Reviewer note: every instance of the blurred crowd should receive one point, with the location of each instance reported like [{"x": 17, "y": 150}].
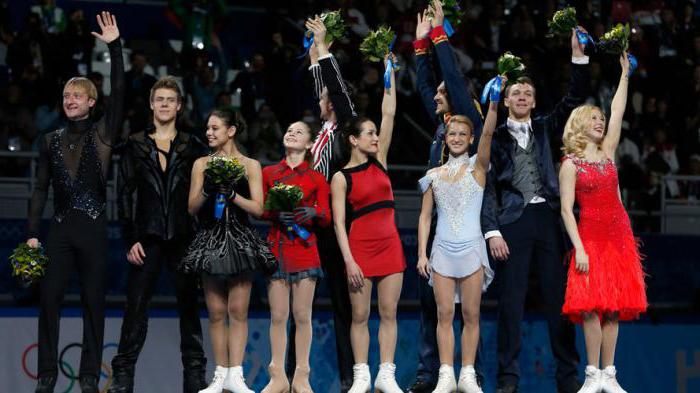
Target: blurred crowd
[{"x": 224, "y": 59}]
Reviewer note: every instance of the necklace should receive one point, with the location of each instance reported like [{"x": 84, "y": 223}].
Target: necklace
[
  {"x": 72, "y": 144},
  {"x": 454, "y": 163}
]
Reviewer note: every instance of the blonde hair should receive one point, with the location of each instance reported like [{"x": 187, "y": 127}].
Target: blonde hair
[
  {"x": 83, "y": 83},
  {"x": 574, "y": 139},
  {"x": 462, "y": 120}
]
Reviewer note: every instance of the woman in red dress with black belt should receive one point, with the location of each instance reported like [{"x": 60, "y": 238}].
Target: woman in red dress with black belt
[
  {"x": 372, "y": 250},
  {"x": 300, "y": 265}
]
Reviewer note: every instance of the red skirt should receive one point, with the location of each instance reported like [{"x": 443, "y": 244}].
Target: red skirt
[
  {"x": 614, "y": 282},
  {"x": 375, "y": 244}
]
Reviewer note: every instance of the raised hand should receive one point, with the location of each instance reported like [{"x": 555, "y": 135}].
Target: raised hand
[
  {"x": 108, "y": 25},
  {"x": 423, "y": 25},
  {"x": 577, "y": 48},
  {"x": 625, "y": 63},
  {"x": 438, "y": 14},
  {"x": 317, "y": 27}
]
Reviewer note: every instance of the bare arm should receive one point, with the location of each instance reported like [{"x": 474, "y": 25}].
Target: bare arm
[
  {"x": 426, "y": 214},
  {"x": 483, "y": 154},
  {"x": 617, "y": 110},
  {"x": 386, "y": 129},
  {"x": 567, "y": 188},
  {"x": 196, "y": 198},
  {"x": 254, "y": 205},
  {"x": 338, "y": 193}
]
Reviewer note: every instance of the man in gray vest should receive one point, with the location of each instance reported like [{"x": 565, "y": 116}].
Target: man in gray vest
[{"x": 520, "y": 220}]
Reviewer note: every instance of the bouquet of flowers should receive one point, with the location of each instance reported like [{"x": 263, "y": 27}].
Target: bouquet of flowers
[
  {"x": 335, "y": 27},
  {"x": 223, "y": 170},
  {"x": 616, "y": 40},
  {"x": 511, "y": 66},
  {"x": 28, "y": 263},
  {"x": 453, "y": 15},
  {"x": 285, "y": 198},
  {"x": 377, "y": 44},
  {"x": 563, "y": 21}
]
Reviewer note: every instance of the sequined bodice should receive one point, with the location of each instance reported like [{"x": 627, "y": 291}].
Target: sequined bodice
[
  {"x": 83, "y": 187},
  {"x": 458, "y": 198},
  {"x": 601, "y": 211}
]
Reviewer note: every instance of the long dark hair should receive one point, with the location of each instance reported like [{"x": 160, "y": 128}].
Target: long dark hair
[
  {"x": 352, "y": 127},
  {"x": 231, "y": 118}
]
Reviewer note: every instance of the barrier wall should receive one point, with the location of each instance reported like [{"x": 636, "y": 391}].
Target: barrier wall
[{"x": 651, "y": 358}]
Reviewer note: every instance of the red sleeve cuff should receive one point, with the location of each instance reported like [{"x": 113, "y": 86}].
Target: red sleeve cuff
[
  {"x": 422, "y": 46},
  {"x": 438, "y": 35}
]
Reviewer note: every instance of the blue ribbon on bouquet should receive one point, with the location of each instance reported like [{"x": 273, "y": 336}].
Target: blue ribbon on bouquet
[
  {"x": 447, "y": 26},
  {"x": 299, "y": 230},
  {"x": 633, "y": 64},
  {"x": 584, "y": 38},
  {"x": 492, "y": 90},
  {"x": 219, "y": 206},
  {"x": 308, "y": 41},
  {"x": 389, "y": 65}
]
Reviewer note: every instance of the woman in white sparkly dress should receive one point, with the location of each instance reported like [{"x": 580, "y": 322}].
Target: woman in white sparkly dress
[{"x": 458, "y": 267}]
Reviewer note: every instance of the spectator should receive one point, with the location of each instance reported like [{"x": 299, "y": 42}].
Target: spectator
[
  {"x": 138, "y": 90},
  {"x": 52, "y": 17}
]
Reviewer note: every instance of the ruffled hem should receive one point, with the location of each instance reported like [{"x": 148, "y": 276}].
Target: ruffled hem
[
  {"x": 292, "y": 277},
  {"x": 229, "y": 249},
  {"x": 614, "y": 283}
]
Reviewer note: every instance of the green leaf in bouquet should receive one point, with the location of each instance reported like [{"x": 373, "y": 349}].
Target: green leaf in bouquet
[
  {"x": 28, "y": 263},
  {"x": 616, "y": 40},
  {"x": 377, "y": 44},
  {"x": 335, "y": 25},
  {"x": 283, "y": 197},
  {"x": 511, "y": 66},
  {"x": 562, "y": 22},
  {"x": 224, "y": 170},
  {"x": 453, "y": 12}
]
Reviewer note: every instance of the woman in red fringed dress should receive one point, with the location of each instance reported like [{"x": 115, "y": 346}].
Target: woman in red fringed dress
[{"x": 606, "y": 282}]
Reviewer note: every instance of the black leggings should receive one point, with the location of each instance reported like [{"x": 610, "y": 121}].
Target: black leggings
[{"x": 78, "y": 242}]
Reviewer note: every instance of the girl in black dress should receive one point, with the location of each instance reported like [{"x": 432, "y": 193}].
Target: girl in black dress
[{"x": 227, "y": 252}]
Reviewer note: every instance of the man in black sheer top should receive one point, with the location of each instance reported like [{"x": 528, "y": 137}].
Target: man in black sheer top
[{"x": 75, "y": 161}]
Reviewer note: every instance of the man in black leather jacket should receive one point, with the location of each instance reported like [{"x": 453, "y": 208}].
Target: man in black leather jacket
[{"x": 154, "y": 187}]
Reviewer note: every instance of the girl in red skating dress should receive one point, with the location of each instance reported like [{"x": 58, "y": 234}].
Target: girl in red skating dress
[
  {"x": 372, "y": 249},
  {"x": 606, "y": 282}
]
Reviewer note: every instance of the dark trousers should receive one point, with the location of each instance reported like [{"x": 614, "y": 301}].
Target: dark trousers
[
  {"x": 76, "y": 243},
  {"x": 428, "y": 355},
  {"x": 535, "y": 238},
  {"x": 336, "y": 281},
  {"x": 141, "y": 283}
]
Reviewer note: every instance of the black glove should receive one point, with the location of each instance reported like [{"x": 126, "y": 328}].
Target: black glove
[
  {"x": 304, "y": 214},
  {"x": 226, "y": 190},
  {"x": 286, "y": 218},
  {"x": 209, "y": 187}
]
